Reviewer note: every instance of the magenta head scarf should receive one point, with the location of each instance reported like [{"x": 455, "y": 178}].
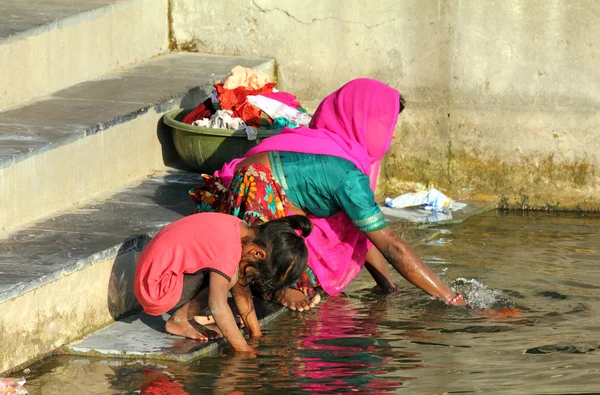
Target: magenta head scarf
[
  {"x": 356, "y": 123},
  {"x": 360, "y": 117}
]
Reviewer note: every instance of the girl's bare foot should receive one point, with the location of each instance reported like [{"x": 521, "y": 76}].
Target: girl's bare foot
[
  {"x": 191, "y": 329},
  {"x": 296, "y": 300}
]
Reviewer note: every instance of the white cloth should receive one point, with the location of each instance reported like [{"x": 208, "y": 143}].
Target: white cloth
[
  {"x": 276, "y": 109},
  {"x": 430, "y": 200},
  {"x": 222, "y": 119}
]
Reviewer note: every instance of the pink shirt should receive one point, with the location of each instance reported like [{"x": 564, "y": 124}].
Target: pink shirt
[{"x": 204, "y": 241}]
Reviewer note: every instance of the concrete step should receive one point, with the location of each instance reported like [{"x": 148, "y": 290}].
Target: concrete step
[
  {"x": 142, "y": 336},
  {"x": 49, "y": 45},
  {"x": 70, "y": 275},
  {"x": 98, "y": 134}
]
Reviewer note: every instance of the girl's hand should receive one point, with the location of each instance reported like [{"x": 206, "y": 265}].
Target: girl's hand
[
  {"x": 254, "y": 340},
  {"x": 247, "y": 352},
  {"x": 209, "y": 334}
]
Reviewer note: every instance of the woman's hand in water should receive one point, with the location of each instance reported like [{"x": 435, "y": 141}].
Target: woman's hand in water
[
  {"x": 458, "y": 300},
  {"x": 255, "y": 341},
  {"x": 406, "y": 262}
]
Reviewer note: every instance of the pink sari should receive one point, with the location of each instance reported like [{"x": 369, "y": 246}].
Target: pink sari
[{"x": 355, "y": 123}]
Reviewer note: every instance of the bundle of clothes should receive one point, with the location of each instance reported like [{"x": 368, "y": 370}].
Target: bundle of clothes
[{"x": 246, "y": 100}]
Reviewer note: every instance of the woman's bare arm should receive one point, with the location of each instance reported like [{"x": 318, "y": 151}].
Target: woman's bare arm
[
  {"x": 378, "y": 268},
  {"x": 406, "y": 262}
]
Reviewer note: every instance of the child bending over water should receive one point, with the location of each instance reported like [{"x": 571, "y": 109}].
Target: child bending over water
[{"x": 232, "y": 254}]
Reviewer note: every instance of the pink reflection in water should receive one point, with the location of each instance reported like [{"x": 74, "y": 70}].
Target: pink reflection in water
[
  {"x": 155, "y": 382},
  {"x": 340, "y": 351}
]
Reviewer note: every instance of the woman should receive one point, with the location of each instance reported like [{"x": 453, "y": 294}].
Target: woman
[{"x": 327, "y": 171}]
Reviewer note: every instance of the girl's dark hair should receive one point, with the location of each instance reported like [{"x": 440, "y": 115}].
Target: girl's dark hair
[
  {"x": 286, "y": 253},
  {"x": 402, "y": 104}
]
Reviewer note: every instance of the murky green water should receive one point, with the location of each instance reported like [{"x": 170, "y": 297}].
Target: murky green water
[{"x": 365, "y": 342}]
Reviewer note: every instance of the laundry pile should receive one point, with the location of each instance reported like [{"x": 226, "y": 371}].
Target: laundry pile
[{"x": 246, "y": 100}]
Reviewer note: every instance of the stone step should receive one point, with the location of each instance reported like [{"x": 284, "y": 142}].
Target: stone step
[
  {"x": 67, "y": 276},
  {"x": 49, "y": 45},
  {"x": 98, "y": 134},
  {"x": 142, "y": 336}
]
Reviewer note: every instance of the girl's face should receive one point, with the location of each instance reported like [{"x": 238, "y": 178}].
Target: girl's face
[{"x": 251, "y": 253}]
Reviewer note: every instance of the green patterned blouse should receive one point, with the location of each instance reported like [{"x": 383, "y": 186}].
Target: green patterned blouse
[{"x": 323, "y": 185}]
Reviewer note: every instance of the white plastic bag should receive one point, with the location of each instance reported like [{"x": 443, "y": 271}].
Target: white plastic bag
[
  {"x": 275, "y": 109},
  {"x": 430, "y": 200}
]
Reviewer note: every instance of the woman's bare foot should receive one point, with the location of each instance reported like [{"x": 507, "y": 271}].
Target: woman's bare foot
[
  {"x": 192, "y": 330},
  {"x": 296, "y": 300}
]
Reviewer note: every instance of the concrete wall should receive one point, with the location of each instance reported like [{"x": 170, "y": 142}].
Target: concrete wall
[{"x": 503, "y": 96}]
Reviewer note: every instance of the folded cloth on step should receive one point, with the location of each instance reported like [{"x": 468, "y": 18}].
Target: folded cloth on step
[
  {"x": 276, "y": 109},
  {"x": 431, "y": 200},
  {"x": 222, "y": 119},
  {"x": 246, "y": 78},
  {"x": 236, "y": 101},
  {"x": 204, "y": 110}
]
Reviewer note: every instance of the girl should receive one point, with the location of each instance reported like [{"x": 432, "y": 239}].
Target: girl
[{"x": 232, "y": 255}]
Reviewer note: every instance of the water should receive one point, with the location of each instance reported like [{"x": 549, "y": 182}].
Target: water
[{"x": 366, "y": 342}]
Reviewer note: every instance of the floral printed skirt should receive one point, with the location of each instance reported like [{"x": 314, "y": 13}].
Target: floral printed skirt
[{"x": 253, "y": 196}]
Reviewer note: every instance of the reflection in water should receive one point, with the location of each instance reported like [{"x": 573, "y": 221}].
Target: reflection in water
[
  {"x": 155, "y": 382},
  {"x": 367, "y": 342},
  {"x": 340, "y": 351}
]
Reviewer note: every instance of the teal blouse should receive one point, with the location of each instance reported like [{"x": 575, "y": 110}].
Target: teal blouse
[{"x": 323, "y": 185}]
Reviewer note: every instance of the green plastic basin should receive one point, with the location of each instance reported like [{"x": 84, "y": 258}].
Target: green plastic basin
[{"x": 206, "y": 149}]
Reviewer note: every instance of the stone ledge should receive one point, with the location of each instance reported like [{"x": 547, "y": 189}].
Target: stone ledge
[
  {"x": 96, "y": 105},
  {"x": 98, "y": 134},
  {"x": 25, "y": 20},
  {"x": 50, "y": 45}
]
